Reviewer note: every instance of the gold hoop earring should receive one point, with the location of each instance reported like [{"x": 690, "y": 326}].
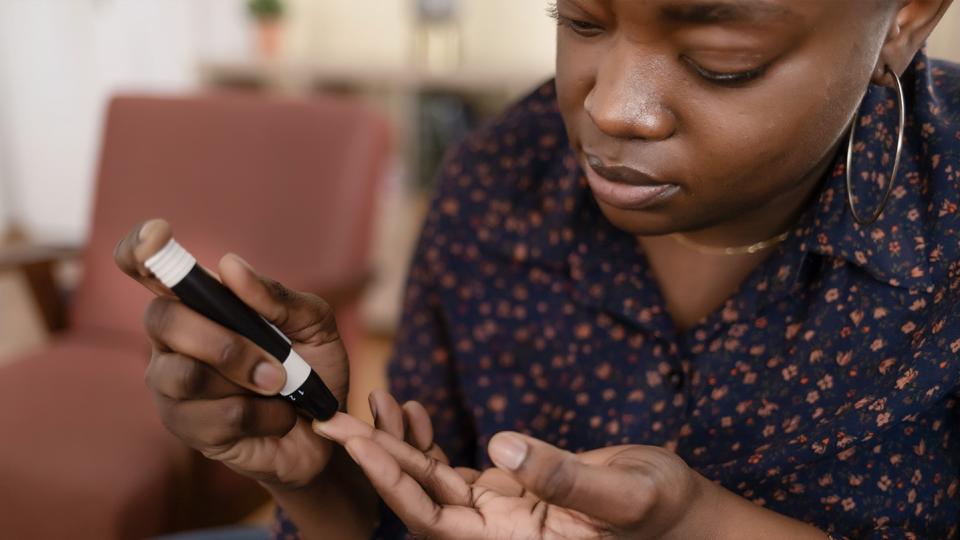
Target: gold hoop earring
[{"x": 901, "y": 103}]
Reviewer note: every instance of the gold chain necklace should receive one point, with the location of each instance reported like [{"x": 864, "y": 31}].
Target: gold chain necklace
[{"x": 738, "y": 250}]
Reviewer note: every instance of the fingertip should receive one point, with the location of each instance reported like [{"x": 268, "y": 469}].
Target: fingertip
[
  {"x": 151, "y": 237},
  {"x": 419, "y": 425},
  {"x": 237, "y": 259},
  {"x": 508, "y": 450},
  {"x": 339, "y": 427},
  {"x": 269, "y": 377},
  {"x": 317, "y": 426},
  {"x": 153, "y": 228},
  {"x": 233, "y": 267}
]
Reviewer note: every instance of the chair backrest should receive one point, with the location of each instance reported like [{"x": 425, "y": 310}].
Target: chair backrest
[{"x": 288, "y": 184}]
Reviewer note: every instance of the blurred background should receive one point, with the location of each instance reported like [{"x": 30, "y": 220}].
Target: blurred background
[{"x": 76, "y": 161}]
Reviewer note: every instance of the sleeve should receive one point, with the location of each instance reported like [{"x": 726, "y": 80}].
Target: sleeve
[
  {"x": 423, "y": 368},
  {"x": 282, "y": 528}
]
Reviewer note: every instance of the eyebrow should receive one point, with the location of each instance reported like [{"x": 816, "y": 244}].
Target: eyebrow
[{"x": 720, "y": 12}]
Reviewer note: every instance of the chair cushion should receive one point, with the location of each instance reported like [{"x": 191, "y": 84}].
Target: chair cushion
[{"x": 107, "y": 469}]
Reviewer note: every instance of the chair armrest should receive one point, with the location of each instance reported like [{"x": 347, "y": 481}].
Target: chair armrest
[
  {"x": 37, "y": 263},
  {"x": 18, "y": 256}
]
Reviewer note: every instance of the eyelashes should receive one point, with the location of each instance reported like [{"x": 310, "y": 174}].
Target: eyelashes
[
  {"x": 718, "y": 78},
  {"x": 737, "y": 78},
  {"x": 552, "y": 11}
]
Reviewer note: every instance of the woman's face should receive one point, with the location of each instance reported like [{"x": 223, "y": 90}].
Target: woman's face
[{"x": 689, "y": 115}]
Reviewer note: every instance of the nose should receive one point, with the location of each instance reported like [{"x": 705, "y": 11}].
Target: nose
[{"x": 627, "y": 100}]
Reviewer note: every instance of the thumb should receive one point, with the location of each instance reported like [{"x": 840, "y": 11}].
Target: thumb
[
  {"x": 305, "y": 318},
  {"x": 615, "y": 495}
]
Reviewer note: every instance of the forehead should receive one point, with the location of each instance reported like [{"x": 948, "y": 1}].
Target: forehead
[
  {"x": 721, "y": 11},
  {"x": 718, "y": 11}
]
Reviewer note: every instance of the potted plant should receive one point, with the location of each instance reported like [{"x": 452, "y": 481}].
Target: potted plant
[{"x": 268, "y": 14}]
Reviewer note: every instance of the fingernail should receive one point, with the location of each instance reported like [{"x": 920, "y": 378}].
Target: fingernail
[
  {"x": 328, "y": 429},
  {"x": 508, "y": 451},
  {"x": 146, "y": 228},
  {"x": 242, "y": 261},
  {"x": 268, "y": 377},
  {"x": 320, "y": 427}
]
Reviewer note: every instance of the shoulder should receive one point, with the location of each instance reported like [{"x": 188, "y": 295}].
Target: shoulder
[
  {"x": 928, "y": 192},
  {"x": 945, "y": 85}
]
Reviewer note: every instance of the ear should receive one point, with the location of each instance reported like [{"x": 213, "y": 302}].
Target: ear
[{"x": 908, "y": 31}]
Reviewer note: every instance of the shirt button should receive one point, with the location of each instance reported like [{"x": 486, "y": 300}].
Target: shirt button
[{"x": 676, "y": 378}]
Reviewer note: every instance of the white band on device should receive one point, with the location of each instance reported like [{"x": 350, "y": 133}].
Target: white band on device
[
  {"x": 297, "y": 372},
  {"x": 171, "y": 264}
]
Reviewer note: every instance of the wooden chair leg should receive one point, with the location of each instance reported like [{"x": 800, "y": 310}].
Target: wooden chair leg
[{"x": 46, "y": 293}]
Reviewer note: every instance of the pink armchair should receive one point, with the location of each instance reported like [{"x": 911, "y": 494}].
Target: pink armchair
[{"x": 290, "y": 185}]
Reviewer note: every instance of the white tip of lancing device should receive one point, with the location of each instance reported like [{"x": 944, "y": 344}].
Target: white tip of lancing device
[{"x": 171, "y": 264}]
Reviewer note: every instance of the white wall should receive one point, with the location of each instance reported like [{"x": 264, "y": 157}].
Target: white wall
[
  {"x": 61, "y": 59},
  {"x": 945, "y": 41},
  {"x": 497, "y": 35},
  {"x": 59, "y": 62}
]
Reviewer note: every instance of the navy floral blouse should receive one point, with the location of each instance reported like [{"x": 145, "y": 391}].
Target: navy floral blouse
[{"x": 825, "y": 388}]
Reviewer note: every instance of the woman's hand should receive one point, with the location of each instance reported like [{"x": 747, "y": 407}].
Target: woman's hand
[
  {"x": 215, "y": 389},
  {"x": 537, "y": 491}
]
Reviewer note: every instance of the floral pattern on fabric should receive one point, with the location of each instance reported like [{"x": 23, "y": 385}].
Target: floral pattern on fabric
[{"x": 824, "y": 389}]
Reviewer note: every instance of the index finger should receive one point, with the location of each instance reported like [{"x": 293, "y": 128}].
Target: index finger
[{"x": 407, "y": 498}]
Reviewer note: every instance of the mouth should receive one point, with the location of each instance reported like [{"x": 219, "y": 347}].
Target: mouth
[{"x": 625, "y": 187}]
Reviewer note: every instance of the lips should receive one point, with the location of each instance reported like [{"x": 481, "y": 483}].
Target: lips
[{"x": 625, "y": 187}]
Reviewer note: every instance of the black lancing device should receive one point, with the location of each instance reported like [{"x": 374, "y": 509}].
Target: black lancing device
[{"x": 176, "y": 268}]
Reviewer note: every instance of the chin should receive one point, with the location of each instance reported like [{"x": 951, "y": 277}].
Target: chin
[{"x": 647, "y": 222}]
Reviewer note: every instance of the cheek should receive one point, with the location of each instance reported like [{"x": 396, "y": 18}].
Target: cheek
[
  {"x": 575, "y": 76},
  {"x": 771, "y": 138}
]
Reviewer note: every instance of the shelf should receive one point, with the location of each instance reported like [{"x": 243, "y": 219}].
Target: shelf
[{"x": 300, "y": 77}]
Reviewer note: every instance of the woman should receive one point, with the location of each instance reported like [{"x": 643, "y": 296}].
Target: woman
[{"x": 663, "y": 269}]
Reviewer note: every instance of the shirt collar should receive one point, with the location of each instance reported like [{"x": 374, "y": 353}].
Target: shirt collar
[{"x": 894, "y": 250}]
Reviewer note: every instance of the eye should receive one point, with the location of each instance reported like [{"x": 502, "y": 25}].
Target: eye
[
  {"x": 579, "y": 27},
  {"x": 727, "y": 78}
]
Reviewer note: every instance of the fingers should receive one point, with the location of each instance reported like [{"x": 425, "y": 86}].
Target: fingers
[
  {"x": 420, "y": 431},
  {"x": 499, "y": 481},
  {"x": 177, "y": 377},
  {"x": 617, "y": 495},
  {"x": 469, "y": 475},
  {"x": 439, "y": 480},
  {"x": 178, "y": 328},
  {"x": 137, "y": 246},
  {"x": 387, "y": 414},
  {"x": 211, "y": 424},
  {"x": 405, "y": 496},
  {"x": 411, "y": 423},
  {"x": 302, "y": 317}
]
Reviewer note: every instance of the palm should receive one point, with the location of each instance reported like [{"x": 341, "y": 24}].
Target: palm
[
  {"x": 629, "y": 491},
  {"x": 504, "y": 509},
  {"x": 290, "y": 461}
]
